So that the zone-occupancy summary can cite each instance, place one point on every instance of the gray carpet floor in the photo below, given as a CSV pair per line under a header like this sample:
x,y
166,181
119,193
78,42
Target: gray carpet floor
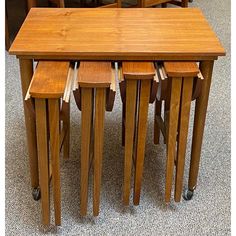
x,y
207,214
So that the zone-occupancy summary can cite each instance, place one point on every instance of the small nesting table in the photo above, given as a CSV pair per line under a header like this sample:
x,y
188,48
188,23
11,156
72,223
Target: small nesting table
x,y
118,35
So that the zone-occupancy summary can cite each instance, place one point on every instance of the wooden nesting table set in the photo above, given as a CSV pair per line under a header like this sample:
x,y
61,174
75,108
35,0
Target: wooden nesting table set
x,y
161,55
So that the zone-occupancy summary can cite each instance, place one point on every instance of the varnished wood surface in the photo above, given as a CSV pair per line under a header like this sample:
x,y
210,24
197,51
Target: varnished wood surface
x,y
94,74
206,68
130,108
100,100
111,93
66,126
144,96
53,108
42,142
184,112
172,133
49,80
86,117
138,70
181,69
113,33
157,130
26,72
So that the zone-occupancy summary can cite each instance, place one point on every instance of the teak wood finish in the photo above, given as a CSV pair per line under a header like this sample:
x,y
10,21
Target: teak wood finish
x,y
181,69
47,88
137,77
181,76
175,96
138,70
119,34
92,74
185,105
41,125
94,79
187,73
206,68
49,79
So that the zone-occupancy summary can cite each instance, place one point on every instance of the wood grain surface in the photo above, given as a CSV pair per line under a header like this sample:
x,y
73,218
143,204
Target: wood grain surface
x,y
94,74
181,69
49,80
113,33
138,70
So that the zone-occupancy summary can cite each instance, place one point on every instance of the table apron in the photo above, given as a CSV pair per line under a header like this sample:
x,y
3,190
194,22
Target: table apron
x,y
119,58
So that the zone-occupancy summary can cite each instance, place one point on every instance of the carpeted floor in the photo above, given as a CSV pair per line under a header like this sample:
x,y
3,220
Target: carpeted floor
x,y
207,214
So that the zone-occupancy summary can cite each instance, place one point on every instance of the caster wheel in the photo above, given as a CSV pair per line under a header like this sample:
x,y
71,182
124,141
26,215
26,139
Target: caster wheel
x,y
190,0
36,194
188,194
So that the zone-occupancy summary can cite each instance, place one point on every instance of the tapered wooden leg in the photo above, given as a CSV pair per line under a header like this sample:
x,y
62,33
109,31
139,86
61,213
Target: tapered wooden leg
x,y
131,93
172,132
66,125
53,109
86,116
183,134
141,136
166,112
157,112
41,124
123,124
31,3
98,146
206,68
26,72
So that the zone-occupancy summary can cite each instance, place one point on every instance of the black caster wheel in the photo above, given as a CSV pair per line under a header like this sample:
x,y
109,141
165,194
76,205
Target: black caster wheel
x,y
190,0
188,194
36,194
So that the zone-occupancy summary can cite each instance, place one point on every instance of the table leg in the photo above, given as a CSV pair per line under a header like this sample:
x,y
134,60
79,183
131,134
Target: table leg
x,y
183,134
26,71
172,133
206,68
53,109
41,123
98,145
156,127
66,126
166,112
86,116
131,93
141,136
123,124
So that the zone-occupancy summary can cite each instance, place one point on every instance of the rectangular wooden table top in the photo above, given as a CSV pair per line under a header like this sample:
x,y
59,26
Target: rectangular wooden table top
x,y
117,34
